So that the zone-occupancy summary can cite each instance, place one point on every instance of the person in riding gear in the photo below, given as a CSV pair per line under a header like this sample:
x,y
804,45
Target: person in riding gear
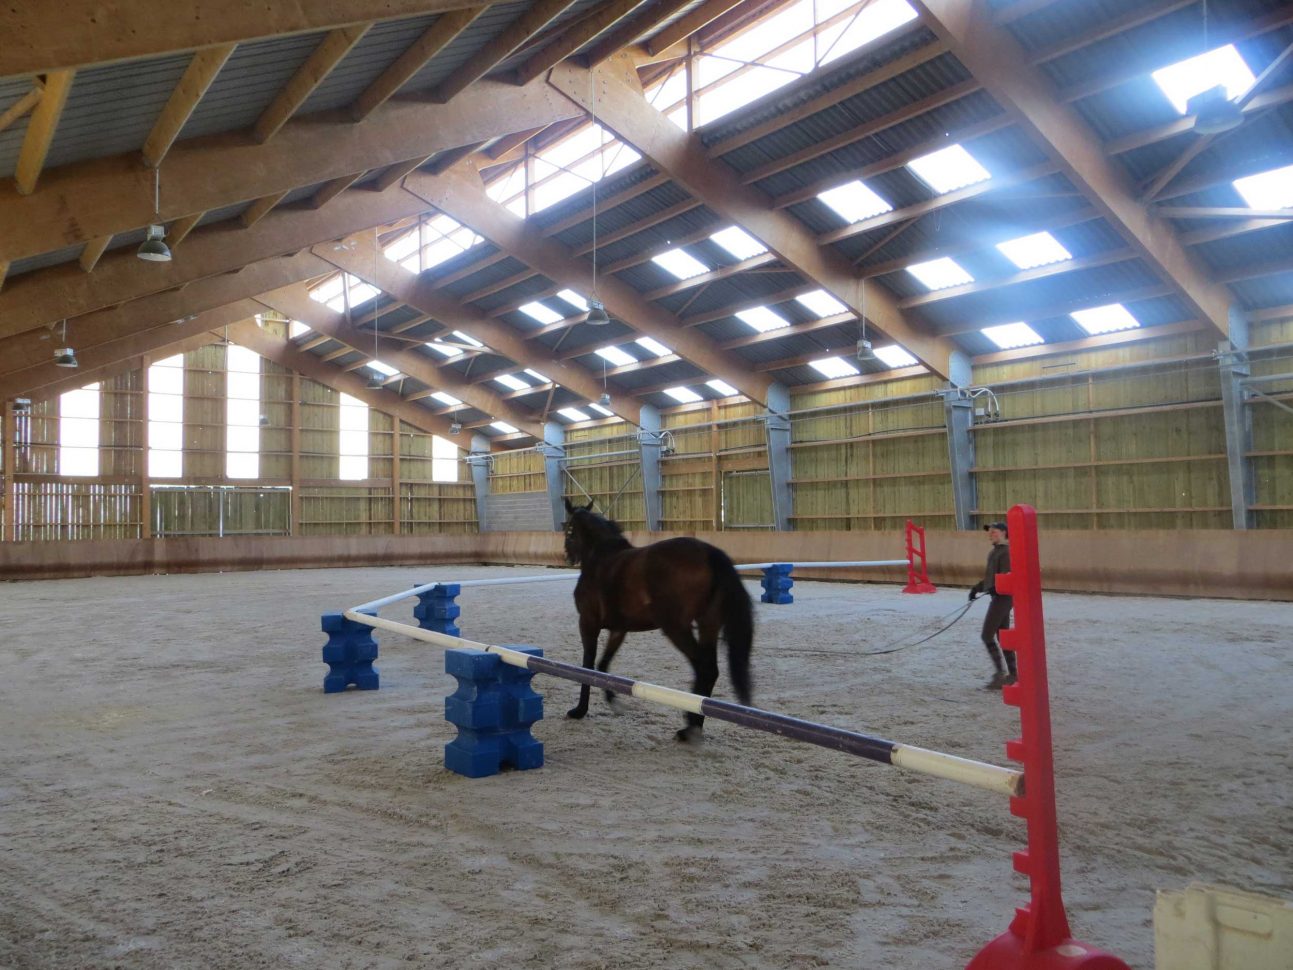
x,y
999,608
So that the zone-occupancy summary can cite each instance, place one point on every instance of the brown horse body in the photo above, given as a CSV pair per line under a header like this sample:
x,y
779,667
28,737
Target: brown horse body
x,y
686,588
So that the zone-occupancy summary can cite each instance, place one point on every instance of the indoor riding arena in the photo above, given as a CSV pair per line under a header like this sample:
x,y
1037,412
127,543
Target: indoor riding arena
x,y
906,384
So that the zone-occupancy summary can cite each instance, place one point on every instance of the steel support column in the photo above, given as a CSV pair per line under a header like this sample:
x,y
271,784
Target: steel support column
x,y
478,460
776,424
553,449
1233,362
650,446
958,415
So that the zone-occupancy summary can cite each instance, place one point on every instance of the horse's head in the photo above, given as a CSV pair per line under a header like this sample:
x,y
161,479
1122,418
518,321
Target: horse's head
x,y
584,530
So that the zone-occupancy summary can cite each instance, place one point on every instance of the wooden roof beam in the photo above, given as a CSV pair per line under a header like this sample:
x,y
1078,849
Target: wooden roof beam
x,y
22,106
1001,65
435,39
684,158
632,28
575,36
306,80
93,250
202,70
461,196
41,37
40,130
84,200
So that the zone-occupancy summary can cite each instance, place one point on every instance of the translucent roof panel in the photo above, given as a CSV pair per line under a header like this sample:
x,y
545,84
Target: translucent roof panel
x,y
833,367
1105,319
683,395
1038,249
1010,335
1268,190
949,168
895,356
938,274
738,242
762,319
854,201
1221,66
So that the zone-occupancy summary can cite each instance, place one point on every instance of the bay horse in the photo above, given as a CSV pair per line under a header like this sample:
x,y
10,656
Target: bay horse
x,y
673,586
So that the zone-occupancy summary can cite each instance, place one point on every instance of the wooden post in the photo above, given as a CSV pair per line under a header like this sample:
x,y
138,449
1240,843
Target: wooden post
x,y
395,475
145,493
294,511
9,424
716,473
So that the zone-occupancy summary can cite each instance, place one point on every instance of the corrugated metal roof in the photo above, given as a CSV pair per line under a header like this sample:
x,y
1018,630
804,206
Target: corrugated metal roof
x,y
11,90
492,22
377,50
65,255
565,19
248,82
110,110
521,292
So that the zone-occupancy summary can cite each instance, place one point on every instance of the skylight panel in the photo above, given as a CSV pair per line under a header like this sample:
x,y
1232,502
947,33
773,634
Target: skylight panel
x,y
833,367
444,398
1221,66
605,412
512,382
403,247
1105,319
949,168
538,311
680,263
1011,335
762,319
1039,249
538,377
445,350
895,356
821,303
939,274
466,339
683,395
574,299
875,20
853,201
616,356
724,388
653,345
295,328
384,369
1268,190
504,427
738,242
573,414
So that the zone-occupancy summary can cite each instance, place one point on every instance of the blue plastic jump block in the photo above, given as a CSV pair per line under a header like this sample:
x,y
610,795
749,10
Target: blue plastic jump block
x,y
493,708
776,583
436,609
349,654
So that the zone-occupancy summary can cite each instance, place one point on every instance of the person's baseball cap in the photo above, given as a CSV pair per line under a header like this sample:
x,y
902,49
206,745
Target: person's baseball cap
x,y
997,525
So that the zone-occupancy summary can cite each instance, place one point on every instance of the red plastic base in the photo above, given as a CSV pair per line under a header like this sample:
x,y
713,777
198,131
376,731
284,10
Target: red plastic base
x,y
1006,952
917,587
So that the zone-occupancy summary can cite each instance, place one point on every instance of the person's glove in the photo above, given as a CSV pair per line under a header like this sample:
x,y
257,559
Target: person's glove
x,y
975,591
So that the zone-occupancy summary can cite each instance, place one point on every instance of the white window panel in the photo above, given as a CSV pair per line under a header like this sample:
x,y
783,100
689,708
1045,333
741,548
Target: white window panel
x,y
556,189
1038,249
444,398
573,414
854,201
680,263
724,388
1183,80
81,403
538,311
833,367
684,395
504,427
242,360
165,464
242,439
78,461
295,328
444,460
821,303
949,168
165,380
243,387
738,242
165,435
1105,319
512,382
1268,190
1007,336
939,274
404,246
352,442
242,465
352,468
895,356
616,356
876,19
762,319
653,345
574,299
165,407
245,414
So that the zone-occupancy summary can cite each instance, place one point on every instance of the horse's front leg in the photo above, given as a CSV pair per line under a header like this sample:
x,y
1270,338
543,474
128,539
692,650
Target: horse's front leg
x,y
613,641
588,632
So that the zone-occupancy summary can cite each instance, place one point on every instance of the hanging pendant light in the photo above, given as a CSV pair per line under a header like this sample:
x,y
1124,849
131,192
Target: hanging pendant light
x,y
865,352
65,356
597,315
154,249
1213,112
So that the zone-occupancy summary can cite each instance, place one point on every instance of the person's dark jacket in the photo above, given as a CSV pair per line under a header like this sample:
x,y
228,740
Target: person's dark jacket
x,y
998,562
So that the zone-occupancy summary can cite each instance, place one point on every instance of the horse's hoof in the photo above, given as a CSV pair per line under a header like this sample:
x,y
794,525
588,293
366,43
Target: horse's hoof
x,y
690,735
576,713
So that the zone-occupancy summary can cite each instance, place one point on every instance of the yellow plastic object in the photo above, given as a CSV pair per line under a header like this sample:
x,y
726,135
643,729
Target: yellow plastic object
x,y
1218,928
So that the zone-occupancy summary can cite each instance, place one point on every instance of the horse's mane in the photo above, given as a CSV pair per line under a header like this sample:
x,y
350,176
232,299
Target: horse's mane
x,y
600,524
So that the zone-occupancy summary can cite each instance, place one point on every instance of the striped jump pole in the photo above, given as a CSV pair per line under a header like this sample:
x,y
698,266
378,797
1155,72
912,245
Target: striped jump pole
x,y
1004,781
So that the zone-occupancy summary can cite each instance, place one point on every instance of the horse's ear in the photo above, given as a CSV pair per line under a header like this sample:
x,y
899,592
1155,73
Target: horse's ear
x,y
589,506
569,508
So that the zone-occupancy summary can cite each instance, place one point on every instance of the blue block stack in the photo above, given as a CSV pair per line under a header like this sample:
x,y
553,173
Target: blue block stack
x,y
349,653
493,708
436,609
777,582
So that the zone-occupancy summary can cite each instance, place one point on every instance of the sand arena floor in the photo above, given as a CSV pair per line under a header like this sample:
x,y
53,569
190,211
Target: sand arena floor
x,y
177,791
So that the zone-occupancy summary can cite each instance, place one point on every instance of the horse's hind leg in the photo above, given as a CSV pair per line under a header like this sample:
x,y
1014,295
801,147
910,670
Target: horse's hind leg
x,y
588,633
613,641
704,664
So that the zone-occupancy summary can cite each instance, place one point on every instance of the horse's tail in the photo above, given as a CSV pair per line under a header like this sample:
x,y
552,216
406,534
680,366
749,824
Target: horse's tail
x,y
738,621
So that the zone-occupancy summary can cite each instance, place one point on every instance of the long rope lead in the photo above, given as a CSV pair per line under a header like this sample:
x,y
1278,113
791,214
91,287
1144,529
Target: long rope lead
x,y
890,647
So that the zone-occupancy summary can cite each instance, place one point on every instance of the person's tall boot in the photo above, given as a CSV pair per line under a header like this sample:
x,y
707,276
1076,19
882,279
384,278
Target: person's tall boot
x,y
1012,674
999,678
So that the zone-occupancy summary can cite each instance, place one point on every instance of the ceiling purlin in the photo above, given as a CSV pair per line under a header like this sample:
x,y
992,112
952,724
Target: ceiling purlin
x,y
425,295
202,70
575,36
461,196
630,29
684,158
998,62
40,130
294,302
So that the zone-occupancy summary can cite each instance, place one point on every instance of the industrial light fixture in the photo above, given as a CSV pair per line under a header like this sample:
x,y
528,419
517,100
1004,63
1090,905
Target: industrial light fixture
x,y
375,383
597,315
455,427
1213,112
154,248
21,405
65,356
604,400
865,352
